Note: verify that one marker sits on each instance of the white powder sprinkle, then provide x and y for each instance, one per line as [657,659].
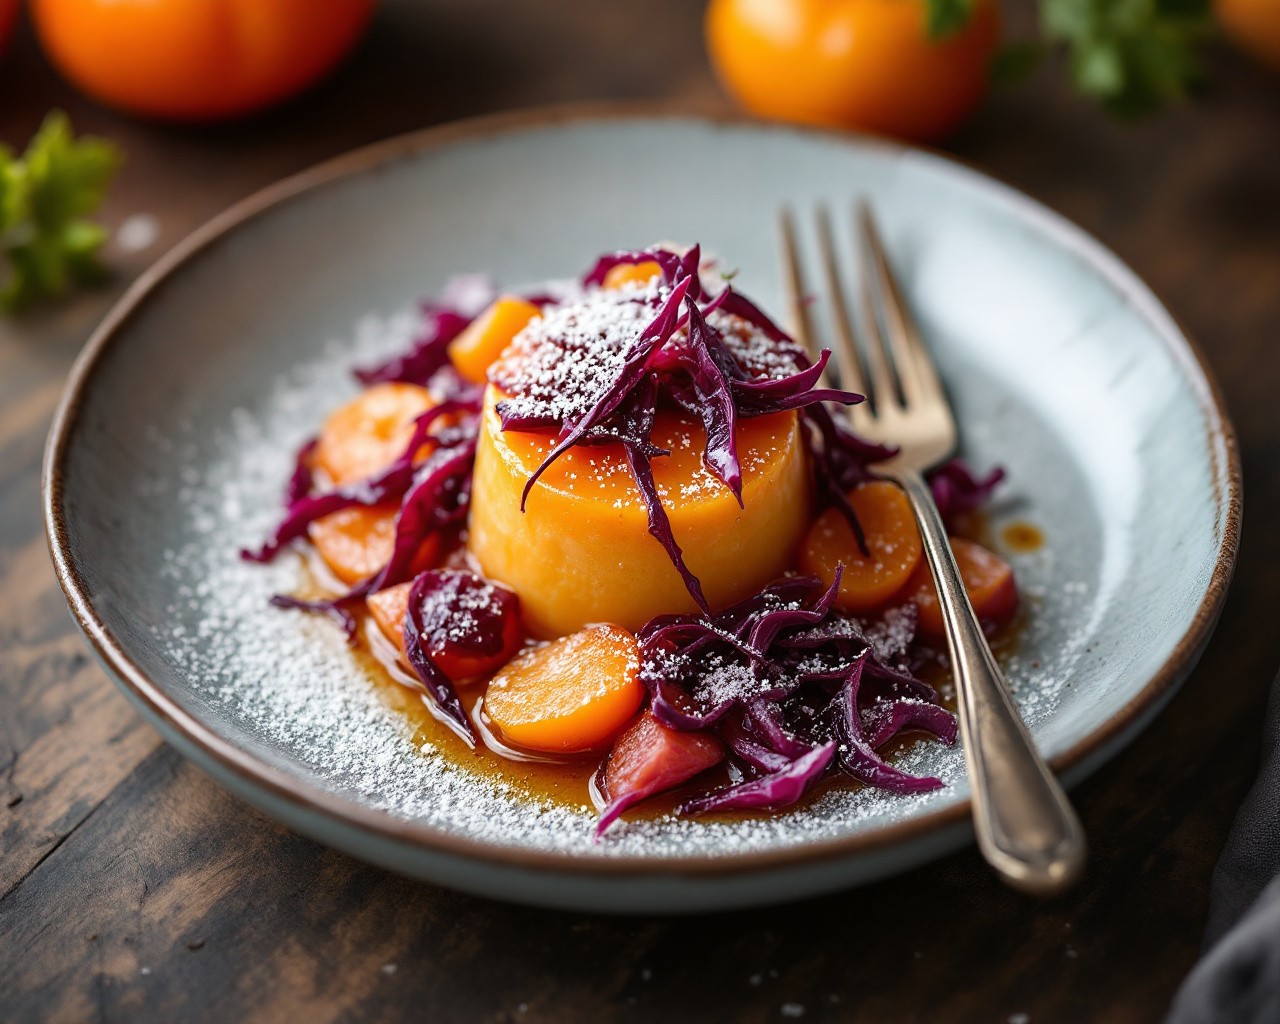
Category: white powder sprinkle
[286,684]
[564,359]
[892,635]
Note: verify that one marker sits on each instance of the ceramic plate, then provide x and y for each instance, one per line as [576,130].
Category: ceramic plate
[176,432]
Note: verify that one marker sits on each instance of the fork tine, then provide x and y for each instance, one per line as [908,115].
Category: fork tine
[801,323]
[846,348]
[884,390]
[916,373]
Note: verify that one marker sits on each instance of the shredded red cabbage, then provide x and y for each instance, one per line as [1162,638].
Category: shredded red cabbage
[431,481]
[390,484]
[794,688]
[682,358]
[675,267]
[430,351]
[302,479]
[790,687]
[778,789]
[956,490]
[436,684]
[457,613]
[464,297]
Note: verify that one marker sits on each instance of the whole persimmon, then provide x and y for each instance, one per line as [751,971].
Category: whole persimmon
[865,64]
[196,60]
[1254,26]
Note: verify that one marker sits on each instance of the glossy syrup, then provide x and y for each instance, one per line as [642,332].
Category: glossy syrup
[559,780]
[568,780]
[1022,538]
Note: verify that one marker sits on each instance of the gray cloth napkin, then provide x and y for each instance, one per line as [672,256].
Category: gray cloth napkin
[1237,980]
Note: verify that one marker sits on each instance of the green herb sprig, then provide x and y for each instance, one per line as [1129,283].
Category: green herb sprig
[1132,56]
[47,242]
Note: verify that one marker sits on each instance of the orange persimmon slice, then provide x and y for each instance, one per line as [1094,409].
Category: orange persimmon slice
[867,583]
[356,542]
[623,274]
[988,580]
[483,340]
[574,694]
[389,608]
[370,432]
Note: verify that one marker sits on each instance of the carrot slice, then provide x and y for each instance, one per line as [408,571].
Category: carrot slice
[867,583]
[988,579]
[390,607]
[623,274]
[649,759]
[370,432]
[573,694]
[487,335]
[356,542]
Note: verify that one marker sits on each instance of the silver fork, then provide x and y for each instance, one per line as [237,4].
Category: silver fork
[1025,826]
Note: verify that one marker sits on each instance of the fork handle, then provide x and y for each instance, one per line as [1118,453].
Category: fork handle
[1025,826]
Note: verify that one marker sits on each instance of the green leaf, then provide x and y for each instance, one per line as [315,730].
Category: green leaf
[944,17]
[45,196]
[1016,62]
[1099,69]
[1130,55]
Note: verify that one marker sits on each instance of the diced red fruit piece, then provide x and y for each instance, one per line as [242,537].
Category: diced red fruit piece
[471,627]
[649,759]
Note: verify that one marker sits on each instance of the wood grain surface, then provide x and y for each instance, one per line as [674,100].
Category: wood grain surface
[134,888]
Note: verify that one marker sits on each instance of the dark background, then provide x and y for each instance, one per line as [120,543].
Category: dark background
[132,887]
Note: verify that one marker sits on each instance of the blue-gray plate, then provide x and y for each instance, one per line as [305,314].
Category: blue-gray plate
[181,416]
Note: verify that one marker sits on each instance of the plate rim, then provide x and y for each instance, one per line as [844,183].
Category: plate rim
[256,774]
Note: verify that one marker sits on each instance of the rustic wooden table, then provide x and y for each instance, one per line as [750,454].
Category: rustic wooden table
[133,887]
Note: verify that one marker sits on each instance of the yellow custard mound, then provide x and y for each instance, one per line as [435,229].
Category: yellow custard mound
[581,551]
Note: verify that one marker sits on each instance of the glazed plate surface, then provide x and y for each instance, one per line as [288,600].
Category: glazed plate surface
[182,415]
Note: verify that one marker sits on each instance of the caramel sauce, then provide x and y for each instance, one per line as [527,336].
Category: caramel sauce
[1022,537]
[568,780]
[564,780]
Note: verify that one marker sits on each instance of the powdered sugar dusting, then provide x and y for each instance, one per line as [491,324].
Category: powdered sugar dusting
[286,684]
[558,365]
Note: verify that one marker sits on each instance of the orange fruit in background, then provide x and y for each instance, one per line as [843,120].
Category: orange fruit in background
[196,60]
[865,64]
[1253,25]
